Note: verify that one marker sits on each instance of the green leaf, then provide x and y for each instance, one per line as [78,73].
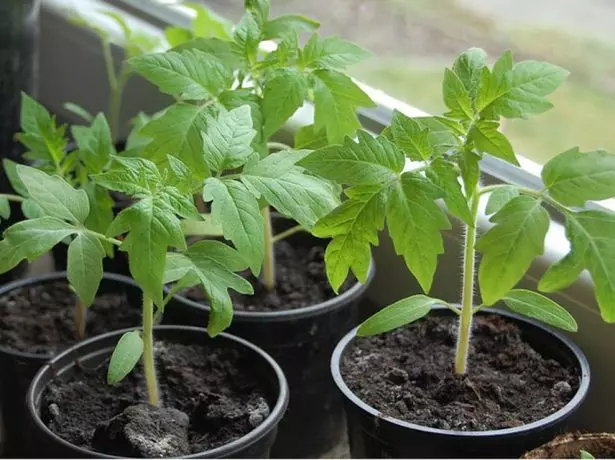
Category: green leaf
[537,306]
[223,50]
[336,100]
[236,209]
[179,175]
[190,74]
[494,84]
[566,271]
[208,24]
[411,137]
[303,198]
[30,239]
[10,169]
[54,195]
[332,53]
[415,220]
[79,111]
[456,96]
[259,9]
[5,208]
[133,176]
[84,266]
[307,137]
[529,83]
[241,97]
[152,228]
[228,140]
[177,35]
[125,357]
[281,26]
[444,174]
[354,227]
[204,226]
[574,177]
[499,197]
[135,139]
[592,234]
[468,67]
[95,144]
[402,312]
[43,139]
[283,95]
[101,212]
[470,170]
[368,161]
[510,246]
[489,140]
[247,37]
[178,131]
[585,455]
[213,264]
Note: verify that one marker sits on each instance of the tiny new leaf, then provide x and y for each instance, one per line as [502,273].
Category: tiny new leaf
[125,356]
[399,314]
[534,305]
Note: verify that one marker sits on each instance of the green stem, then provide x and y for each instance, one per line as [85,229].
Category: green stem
[115,101]
[268,276]
[80,315]
[102,237]
[286,233]
[148,351]
[278,146]
[9,197]
[465,320]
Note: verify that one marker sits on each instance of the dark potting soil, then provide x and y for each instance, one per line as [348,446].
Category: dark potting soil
[408,374]
[301,281]
[40,318]
[213,396]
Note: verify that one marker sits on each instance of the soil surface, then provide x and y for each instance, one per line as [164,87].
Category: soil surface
[408,374]
[211,386]
[40,318]
[301,281]
[599,445]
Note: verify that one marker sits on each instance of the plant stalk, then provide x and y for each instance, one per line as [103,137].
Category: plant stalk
[148,351]
[80,316]
[465,320]
[286,233]
[16,198]
[268,276]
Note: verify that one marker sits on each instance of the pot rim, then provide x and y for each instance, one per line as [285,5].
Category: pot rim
[574,403]
[274,417]
[353,293]
[45,278]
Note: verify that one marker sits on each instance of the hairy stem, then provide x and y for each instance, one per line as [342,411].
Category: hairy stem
[10,197]
[268,276]
[286,233]
[114,241]
[148,351]
[465,320]
[80,315]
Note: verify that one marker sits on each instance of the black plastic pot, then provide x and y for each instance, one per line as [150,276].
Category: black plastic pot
[92,352]
[301,341]
[374,435]
[18,368]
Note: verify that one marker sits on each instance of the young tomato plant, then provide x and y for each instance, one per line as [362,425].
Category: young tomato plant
[133,43]
[446,151]
[232,95]
[149,227]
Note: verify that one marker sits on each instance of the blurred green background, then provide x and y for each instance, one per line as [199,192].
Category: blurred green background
[413,40]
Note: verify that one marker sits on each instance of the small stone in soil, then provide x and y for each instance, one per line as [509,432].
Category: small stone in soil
[145,431]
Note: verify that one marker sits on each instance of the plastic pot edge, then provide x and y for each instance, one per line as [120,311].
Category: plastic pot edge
[253,436]
[53,276]
[574,403]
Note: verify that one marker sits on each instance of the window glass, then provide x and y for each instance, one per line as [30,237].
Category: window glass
[412,41]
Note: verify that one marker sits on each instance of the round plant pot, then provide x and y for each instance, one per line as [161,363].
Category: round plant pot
[92,352]
[19,367]
[301,341]
[375,435]
[599,445]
